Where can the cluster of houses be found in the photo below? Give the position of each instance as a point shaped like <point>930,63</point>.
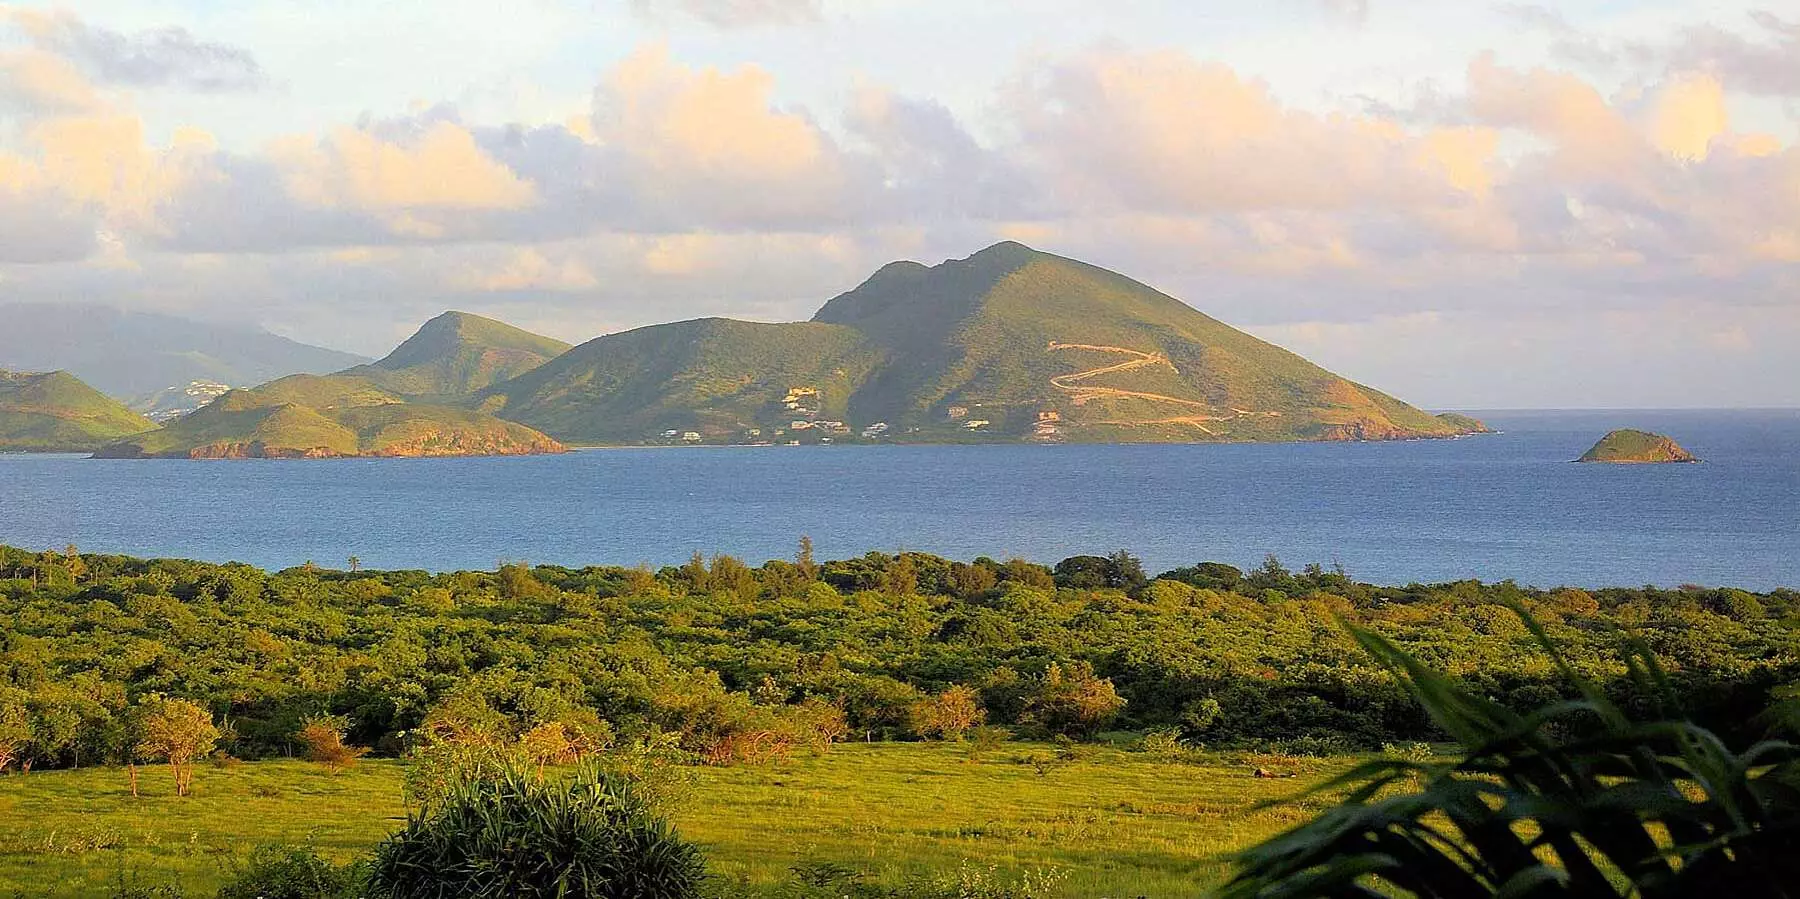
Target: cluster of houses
<point>805,404</point>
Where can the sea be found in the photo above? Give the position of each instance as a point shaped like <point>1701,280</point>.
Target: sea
<point>1508,505</point>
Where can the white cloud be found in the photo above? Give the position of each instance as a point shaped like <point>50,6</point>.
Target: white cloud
<point>732,13</point>
<point>163,57</point>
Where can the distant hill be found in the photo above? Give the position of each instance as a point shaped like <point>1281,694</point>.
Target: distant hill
<point>411,403</point>
<point>137,354</point>
<point>1008,344</point>
<point>1464,423</point>
<point>56,412</point>
<point>456,354</point>
<point>1628,445</point>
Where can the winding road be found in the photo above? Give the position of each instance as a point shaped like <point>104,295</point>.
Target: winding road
<point>1080,393</point>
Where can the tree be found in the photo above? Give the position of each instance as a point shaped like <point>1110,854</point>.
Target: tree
<point>970,581</point>
<point>948,715</point>
<point>901,579</point>
<point>15,727</point>
<point>1072,701</point>
<point>554,743</point>
<point>1125,572</point>
<point>323,736</point>
<point>355,564</point>
<point>730,574</point>
<point>1082,572</point>
<point>1273,576</point>
<point>177,731</point>
<point>803,559</point>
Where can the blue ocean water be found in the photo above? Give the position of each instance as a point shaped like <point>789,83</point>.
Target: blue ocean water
<point>1507,505</point>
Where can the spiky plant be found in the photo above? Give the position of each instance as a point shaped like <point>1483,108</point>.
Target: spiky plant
<point>1573,800</point>
<point>509,835</point>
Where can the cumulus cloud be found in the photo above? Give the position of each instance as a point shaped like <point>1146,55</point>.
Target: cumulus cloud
<point>687,189</point>
<point>1760,56</point>
<point>733,13</point>
<point>163,57</point>
<point>1766,64</point>
<point>523,269</point>
<point>35,84</point>
<point>440,168</point>
<point>1165,132</point>
<point>708,147</point>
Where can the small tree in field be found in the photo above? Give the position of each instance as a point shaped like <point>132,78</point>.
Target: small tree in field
<point>178,732</point>
<point>949,714</point>
<point>1072,701</point>
<point>324,739</point>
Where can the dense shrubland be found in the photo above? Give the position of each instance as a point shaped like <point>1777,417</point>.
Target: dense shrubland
<point>729,662</point>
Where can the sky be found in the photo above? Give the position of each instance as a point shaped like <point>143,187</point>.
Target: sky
<point>1592,203</point>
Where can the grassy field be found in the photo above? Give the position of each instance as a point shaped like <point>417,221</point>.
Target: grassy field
<point>1115,823</point>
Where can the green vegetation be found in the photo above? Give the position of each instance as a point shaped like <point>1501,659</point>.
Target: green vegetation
<point>741,662</point>
<point>715,376</point>
<point>457,354</point>
<point>1576,799</point>
<point>1038,346</point>
<point>884,726</point>
<point>1464,423</point>
<point>596,835</point>
<point>1110,821</point>
<point>1630,446</point>
<point>56,412</point>
<point>258,423</point>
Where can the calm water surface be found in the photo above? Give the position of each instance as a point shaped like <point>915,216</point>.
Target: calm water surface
<point>1499,506</point>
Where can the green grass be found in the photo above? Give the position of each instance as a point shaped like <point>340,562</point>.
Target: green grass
<point>1117,823</point>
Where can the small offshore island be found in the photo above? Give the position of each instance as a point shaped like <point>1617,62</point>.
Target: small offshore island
<point>1627,446</point>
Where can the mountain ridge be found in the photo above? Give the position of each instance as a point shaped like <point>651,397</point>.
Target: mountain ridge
<point>405,404</point>
<point>1009,343</point>
<point>128,354</point>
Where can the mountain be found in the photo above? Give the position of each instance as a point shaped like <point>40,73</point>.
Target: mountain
<point>55,411</point>
<point>136,354</point>
<point>414,402</point>
<point>457,354</point>
<point>1632,446</point>
<point>715,376</point>
<point>1008,344</point>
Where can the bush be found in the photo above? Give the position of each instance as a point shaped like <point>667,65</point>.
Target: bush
<point>323,737</point>
<point>511,835</point>
<point>1164,743</point>
<point>292,872</point>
